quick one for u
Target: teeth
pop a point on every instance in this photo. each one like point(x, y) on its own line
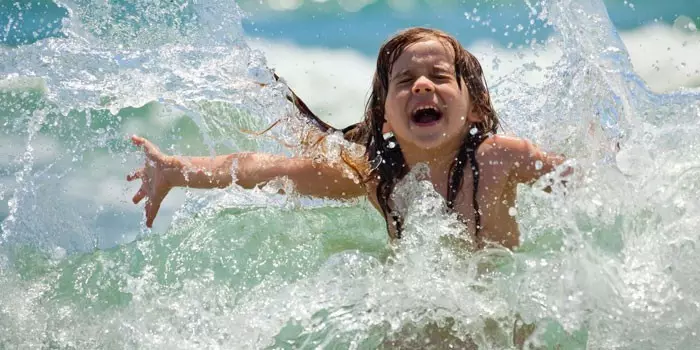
point(422, 108)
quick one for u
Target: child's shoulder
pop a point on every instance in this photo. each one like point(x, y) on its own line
point(508, 144)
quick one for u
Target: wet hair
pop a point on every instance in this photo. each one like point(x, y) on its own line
point(386, 160)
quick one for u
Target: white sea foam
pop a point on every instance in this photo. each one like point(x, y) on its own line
point(665, 57)
point(335, 83)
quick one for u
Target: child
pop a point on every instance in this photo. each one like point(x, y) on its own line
point(430, 93)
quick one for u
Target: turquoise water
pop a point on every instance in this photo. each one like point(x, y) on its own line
point(609, 262)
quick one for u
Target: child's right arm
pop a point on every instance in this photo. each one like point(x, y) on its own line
point(162, 172)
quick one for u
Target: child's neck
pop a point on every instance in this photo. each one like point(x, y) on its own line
point(439, 160)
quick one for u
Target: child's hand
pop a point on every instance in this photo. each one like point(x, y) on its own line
point(155, 181)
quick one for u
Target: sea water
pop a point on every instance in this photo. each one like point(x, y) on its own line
point(609, 261)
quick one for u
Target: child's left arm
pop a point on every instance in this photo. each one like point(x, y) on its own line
point(529, 162)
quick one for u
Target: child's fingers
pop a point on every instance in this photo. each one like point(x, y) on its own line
point(152, 207)
point(137, 140)
point(148, 147)
point(139, 195)
point(135, 175)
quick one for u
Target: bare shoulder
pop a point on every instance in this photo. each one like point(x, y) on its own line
point(527, 161)
point(510, 144)
point(508, 149)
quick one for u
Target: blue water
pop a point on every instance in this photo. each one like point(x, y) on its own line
point(327, 25)
point(365, 30)
point(610, 262)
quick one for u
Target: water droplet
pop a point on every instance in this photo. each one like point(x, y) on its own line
point(512, 211)
point(538, 165)
point(58, 253)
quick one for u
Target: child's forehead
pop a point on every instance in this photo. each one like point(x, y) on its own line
point(426, 52)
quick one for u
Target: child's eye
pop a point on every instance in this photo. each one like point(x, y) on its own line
point(404, 81)
point(443, 77)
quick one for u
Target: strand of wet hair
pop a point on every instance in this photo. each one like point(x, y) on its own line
point(351, 133)
point(390, 166)
point(474, 144)
point(468, 150)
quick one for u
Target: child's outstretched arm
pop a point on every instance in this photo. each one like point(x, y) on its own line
point(161, 173)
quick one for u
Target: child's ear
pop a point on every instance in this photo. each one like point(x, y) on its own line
point(474, 115)
point(386, 128)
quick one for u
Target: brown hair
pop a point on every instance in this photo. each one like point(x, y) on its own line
point(387, 163)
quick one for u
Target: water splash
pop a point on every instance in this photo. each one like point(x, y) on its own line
point(614, 269)
point(607, 262)
point(112, 73)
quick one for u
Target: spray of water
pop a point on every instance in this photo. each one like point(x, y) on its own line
point(609, 261)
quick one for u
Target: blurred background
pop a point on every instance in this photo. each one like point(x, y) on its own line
point(315, 43)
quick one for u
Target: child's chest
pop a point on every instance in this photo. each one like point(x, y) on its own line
point(493, 195)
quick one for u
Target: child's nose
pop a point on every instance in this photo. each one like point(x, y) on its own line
point(423, 85)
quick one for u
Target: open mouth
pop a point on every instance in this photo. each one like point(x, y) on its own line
point(425, 116)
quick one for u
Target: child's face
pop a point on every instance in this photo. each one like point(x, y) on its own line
point(424, 104)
